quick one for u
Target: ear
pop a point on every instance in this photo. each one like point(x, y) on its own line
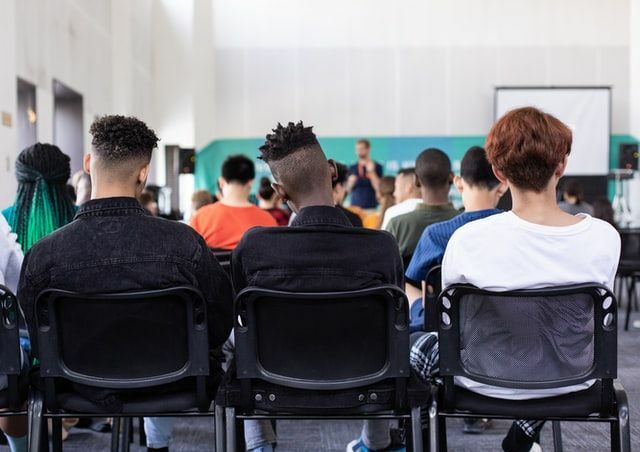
point(143, 175)
point(500, 189)
point(416, 181)
point(451, 178)
point(86, 163)
point(499, 175)
point(333, 170)
point(221, 183)
point(279, 189)
point(562, 166)
point(457, 181)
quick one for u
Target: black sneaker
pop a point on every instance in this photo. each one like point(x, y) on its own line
point(476, 426)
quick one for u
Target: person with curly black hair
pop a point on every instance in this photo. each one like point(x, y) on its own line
point(114, 245)
point(321, 250)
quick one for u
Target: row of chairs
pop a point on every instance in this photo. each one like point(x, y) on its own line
point(301, 356)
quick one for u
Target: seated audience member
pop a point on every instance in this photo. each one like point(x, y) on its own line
point(201, 198)
point(434, 178)
point(340, 192)
point(534, 245)
point(149, 203)
point(603, 210)
point(269, 200)
point(481, 191)
point(114, 245)
point(43, 203)
point(385, 201)
point(223, 223)
point(81, 182)
point(310, 255)
point(406, 194)
point(13, 427)
point(573, 198)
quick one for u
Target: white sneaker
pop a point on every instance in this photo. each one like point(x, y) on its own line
point(535, 448)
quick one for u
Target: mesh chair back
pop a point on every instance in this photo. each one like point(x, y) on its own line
point(9, 335)
point(123, 340)
point(332, 340)
point(531, 339)
point(224, 258)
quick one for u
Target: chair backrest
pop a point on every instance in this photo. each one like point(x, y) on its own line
point(432, 286)
point(10, 361)
point(323, 341)
point(530, 339)
point(630, 246)
point(125, 340)
point(224, 258)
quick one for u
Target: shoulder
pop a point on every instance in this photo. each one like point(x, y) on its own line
point(603, 230)
point(480, 227)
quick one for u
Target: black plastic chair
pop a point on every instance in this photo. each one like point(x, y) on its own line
point(224, 258)
point(530, 339)
point(431, 288)
point(334, 355)
point(149, 347)
point(629, 268)
point(14, 396)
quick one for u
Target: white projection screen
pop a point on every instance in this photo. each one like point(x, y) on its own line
point(586, 110)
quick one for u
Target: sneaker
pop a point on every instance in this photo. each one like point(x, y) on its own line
point(357, 445)
point(476, 426)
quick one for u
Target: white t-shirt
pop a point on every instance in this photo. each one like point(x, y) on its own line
point(504, 252)
point(406, 206)
point(10, 256)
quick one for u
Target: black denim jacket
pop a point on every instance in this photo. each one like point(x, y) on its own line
point(320, 251)
point(113, 245)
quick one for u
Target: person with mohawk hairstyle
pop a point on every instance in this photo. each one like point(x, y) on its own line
point(319, 251)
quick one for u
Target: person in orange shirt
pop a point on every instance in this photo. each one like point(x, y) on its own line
point(222, 224)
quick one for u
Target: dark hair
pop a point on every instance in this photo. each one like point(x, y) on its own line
point(341, 174)
point(119, 139)
point(433, 168)
point(603, 210)
point(42, 203)
point(364, 141)
point(476, 170)
point(407, 172)
point(265, 191)
point(145, 198)
point(573, 188)
point(238, 168)
point(286, 140)
point(527, 145)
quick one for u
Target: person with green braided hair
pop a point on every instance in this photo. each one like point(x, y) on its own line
point(42, 203)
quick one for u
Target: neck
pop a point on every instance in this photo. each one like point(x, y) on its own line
point(435, 197)
point(235, 195)
point(99, 191)
point(266, 204)
point(540, 208)
point(314, 199)
point(475, 200)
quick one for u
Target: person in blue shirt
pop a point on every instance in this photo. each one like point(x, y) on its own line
point(364, 177)
point(480, 192)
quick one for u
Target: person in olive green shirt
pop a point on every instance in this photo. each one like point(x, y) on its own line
point(434, 177)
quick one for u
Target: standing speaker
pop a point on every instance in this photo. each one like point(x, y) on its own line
point(187, 161)
point(628, 156)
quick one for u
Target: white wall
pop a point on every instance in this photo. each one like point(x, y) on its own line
point(99, 48)
point(408, 67)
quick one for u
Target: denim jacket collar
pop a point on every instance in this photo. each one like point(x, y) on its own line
point(111, 207)
point(320, 215)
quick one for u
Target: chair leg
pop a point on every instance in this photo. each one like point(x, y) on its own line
point(115, 432)
point(219, 421)
point(557, 436)
point(56, 434)
point(125, 430)
point(442, 433)
point(416, 430)
point(230, 420)
point(623, 428)
point(434, 443)
point(615, 436)
point(35, 422)
point(142, 435)
point(630, 291)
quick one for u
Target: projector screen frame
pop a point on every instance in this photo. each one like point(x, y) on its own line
point(552, 87)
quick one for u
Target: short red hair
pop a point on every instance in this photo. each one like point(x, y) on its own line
point(527, 145)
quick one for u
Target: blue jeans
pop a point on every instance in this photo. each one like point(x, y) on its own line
point(158, 431)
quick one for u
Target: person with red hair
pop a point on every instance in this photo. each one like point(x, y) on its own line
point(534, 245)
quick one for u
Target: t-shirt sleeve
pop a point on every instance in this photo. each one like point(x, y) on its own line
point(453, 262)
point(615, 248)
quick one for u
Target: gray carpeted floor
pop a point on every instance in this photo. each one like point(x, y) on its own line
point(197, 435)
